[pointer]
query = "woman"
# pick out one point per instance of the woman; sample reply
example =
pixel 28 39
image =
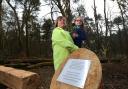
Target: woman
pixel 78 33
pixel 62 42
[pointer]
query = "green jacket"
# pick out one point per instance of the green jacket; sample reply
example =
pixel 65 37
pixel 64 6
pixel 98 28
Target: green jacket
pixel 62 45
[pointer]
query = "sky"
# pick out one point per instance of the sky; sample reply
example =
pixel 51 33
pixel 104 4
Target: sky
pixel 112 8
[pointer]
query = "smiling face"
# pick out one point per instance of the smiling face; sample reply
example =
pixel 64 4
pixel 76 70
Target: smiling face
pixel 61 22
pixel 78 21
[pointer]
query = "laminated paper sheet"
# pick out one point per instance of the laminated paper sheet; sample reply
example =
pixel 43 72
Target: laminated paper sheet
pixel 75 72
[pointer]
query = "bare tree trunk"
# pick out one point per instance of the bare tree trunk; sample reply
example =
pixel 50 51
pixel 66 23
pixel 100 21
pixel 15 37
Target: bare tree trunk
pixel 97 29
pixel 1 29
pixel 27 16
pixel 107 41
pixel 125 48
pixel 120 41
pixel 65 10
pixel 106 21
pixel 27 39
pixel 52 12
pixel 18 25
pixel 58 4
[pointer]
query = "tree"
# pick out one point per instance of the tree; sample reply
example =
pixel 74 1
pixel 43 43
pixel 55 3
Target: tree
pixel 118 21
pixel 81 11
pixel 63 6
pixel 30 7
pixel 106 20
pixel 1 30
pixel 47 30
pixel 122 4
pixel 97 28
pixel 17 23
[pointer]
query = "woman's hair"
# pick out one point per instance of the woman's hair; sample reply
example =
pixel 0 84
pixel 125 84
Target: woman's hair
pixel 82 25
pixel 58 18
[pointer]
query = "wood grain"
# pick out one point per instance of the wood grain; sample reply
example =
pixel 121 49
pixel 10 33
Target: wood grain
pixel 19 79
pixel 94 76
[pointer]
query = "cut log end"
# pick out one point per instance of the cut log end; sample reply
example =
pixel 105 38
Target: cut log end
pixel 94 76
pixel 19 79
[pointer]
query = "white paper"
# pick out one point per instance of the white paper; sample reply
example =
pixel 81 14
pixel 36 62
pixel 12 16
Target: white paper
pixel 75 72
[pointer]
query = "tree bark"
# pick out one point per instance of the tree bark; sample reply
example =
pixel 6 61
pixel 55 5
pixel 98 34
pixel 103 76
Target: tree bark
pixel 1 28
pixel 18 25
pixel 125 48
pixel 97 29
pixel 106 21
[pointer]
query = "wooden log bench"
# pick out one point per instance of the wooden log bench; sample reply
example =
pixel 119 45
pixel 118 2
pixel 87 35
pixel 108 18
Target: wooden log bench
pixel 94 77
pixel 18 79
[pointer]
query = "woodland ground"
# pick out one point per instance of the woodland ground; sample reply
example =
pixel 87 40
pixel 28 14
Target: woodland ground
pixel 115 75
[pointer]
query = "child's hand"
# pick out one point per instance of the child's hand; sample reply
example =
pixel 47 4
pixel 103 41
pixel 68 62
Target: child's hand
pixel 74 35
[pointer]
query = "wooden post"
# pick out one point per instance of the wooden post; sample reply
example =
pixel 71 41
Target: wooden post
pixel 19 79
pixel 94 76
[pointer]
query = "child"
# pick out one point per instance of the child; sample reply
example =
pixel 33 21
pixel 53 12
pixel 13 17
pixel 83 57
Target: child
pixel 78 33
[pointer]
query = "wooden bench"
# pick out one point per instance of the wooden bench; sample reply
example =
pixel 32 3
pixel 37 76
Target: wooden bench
pixel 18 79
pixel 94 76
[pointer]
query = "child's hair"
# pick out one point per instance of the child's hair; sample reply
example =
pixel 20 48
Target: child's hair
pixel 82 25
